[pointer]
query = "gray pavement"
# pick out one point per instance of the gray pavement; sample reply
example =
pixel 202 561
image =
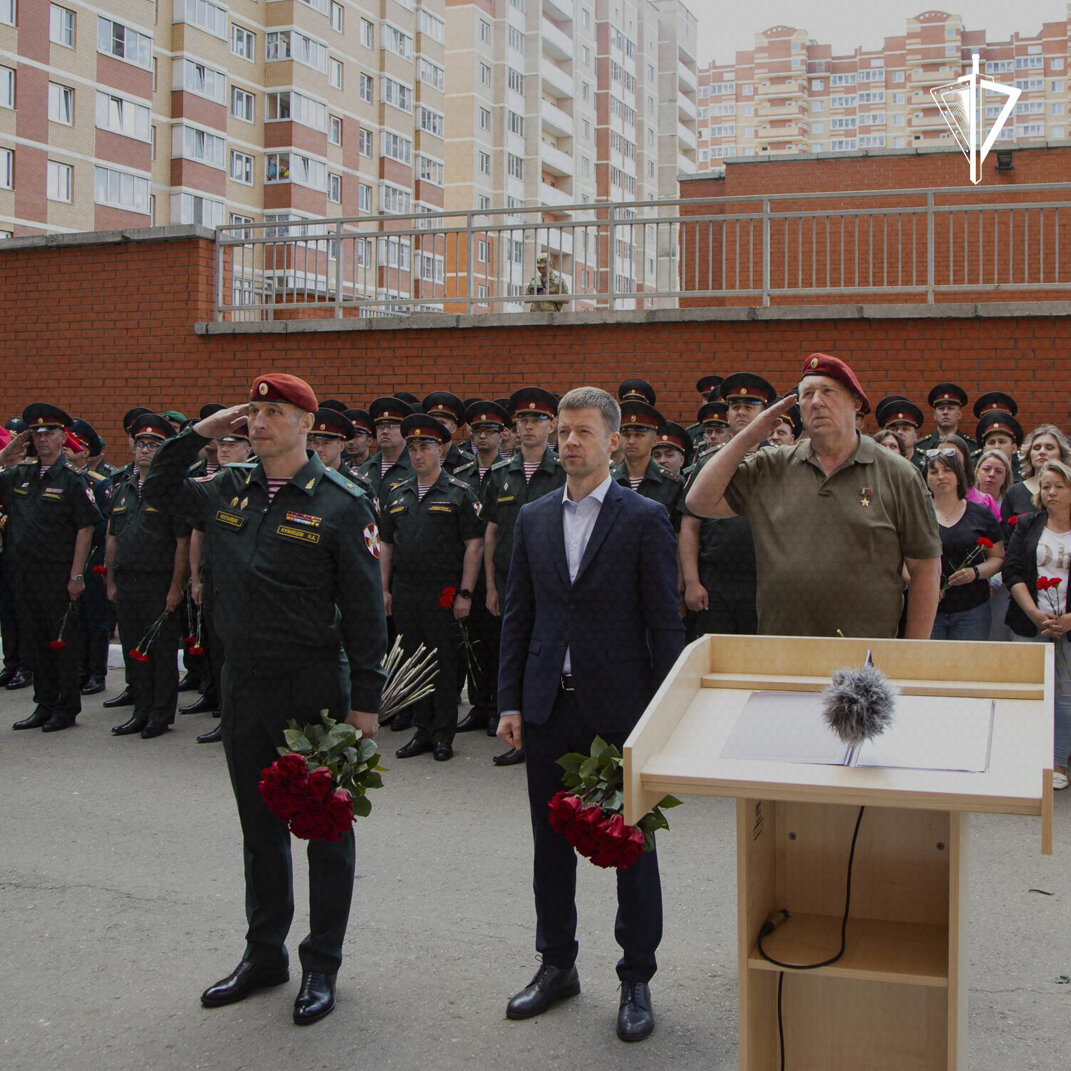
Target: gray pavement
pixel 121 898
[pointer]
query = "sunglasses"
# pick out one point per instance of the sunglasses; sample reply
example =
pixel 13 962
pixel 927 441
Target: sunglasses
pixel 948 451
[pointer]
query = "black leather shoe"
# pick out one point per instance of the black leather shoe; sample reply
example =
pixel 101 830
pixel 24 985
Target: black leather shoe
pixel 549 985
pixel 213 736
pixel 23 679
pixel 416 746
pixel 200 706
pixel 246 978
pixel 93 686
pixel 134 725
pixel 635 1020
pixel 315 999
pixel 6 674
pixel 443 753
pixel 512 757
pixel 185 684
pixel 154 730
pixel 35 721
pixel 123 699
pixel 473 720
pixel 57 722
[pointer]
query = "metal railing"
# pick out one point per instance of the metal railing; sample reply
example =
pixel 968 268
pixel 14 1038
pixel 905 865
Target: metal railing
pixel 922 245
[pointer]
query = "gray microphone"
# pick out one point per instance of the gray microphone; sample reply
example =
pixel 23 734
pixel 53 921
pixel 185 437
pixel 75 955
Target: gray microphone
pixel 858 705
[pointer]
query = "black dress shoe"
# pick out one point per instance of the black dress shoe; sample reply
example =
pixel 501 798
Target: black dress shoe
pixel 315 999
pixel 6 674
pixel 57 722
pixel 35 721
pixel 154 730
pixel 549 985
pixel 512 757
pixel 201 705
pixel 213 736
pixel 443 753
pixel 246 978
pixel 23 678
pixel 185 684
pixel 635 1020
pixel 123 699
pixel 474 720
pixel 133 725
pixel 416 746
pixel 93 686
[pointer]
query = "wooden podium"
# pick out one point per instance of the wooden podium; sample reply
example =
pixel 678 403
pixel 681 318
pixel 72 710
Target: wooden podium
pixel 897 999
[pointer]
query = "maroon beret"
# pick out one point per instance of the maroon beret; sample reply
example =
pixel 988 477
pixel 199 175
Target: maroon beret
pixel 282 387
pixel 822 364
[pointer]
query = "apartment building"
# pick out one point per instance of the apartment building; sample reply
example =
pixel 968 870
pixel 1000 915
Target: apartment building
pixel 791 94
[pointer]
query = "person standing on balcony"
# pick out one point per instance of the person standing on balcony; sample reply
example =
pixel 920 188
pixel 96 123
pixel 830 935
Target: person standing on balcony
pixel 549 286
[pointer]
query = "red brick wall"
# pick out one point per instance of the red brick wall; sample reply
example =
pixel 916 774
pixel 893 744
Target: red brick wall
pixel 100 328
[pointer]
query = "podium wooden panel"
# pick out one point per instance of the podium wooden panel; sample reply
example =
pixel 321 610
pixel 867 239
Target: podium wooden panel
pixel 897 999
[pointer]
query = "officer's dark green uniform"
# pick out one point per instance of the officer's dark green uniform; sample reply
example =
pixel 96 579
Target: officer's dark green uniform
pixel 46 513
pixel 428 538
pixel 146 537
pixel 945 392
pixel 658 484
pixel 294 579
pixel 93 647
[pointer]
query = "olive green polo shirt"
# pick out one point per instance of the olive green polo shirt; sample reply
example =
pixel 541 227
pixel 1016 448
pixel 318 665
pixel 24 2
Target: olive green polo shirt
pixel 829 549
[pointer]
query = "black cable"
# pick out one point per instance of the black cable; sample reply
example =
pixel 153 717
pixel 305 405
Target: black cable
pixel 780 1020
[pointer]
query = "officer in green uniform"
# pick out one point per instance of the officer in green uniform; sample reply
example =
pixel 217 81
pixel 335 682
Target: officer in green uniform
pixel 897 414
pixel 432 541
pixel 713 421
pixel 364 431
pixel 52 517
pixel 390 467
pixel 639 425
pixel 294 550
pixel 529 474
pixel 947 401
pixel 148 562
pixel 707 386
pixel 449 410
pixel 673 447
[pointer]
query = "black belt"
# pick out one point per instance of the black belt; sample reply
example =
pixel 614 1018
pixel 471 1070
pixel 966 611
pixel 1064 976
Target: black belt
pixel 565 682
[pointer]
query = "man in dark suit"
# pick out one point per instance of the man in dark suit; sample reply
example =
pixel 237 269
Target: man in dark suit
pixel 590 630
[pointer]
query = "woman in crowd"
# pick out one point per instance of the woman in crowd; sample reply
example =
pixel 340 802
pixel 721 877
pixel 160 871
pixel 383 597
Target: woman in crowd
pixel 891 441
pixel 993 475
pixel 973 494
pixel 1040 546
pixel 963 609
pixel 1044 443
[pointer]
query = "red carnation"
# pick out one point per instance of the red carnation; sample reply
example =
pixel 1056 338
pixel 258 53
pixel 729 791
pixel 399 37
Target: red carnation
pixel 987 543
pixel 100 570
pixel 189 640
pixel 57 645
pixel 1013 520
pixel 446 599
pixel 195 649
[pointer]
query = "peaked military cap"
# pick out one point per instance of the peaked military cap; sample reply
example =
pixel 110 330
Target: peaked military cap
pixel 331 424
pixel 443 403
pixel 533 400
pixel 636 389
pixel 997 421
pixel 422 427
pixel 713 414
pixel 748 387
pixel 947 392
pixel 152 425
pixel 361 420
pixel 45 415
pixel 995 399
pixel 484 413
pixel 637 414
pixel 389 408
pixel 896 409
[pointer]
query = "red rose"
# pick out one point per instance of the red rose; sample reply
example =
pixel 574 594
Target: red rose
pixel 446 599
pixel 282 787
pixel 587 830
pixel 986 543
pixel 100 570
pixel 57 645
pixel 292 766
pixel 1013 520
pixel 321 784
pixel 195 649
pixel 564 807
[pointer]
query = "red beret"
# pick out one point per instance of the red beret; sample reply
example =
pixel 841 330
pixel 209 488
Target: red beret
pixel 282 387
pixel 822 364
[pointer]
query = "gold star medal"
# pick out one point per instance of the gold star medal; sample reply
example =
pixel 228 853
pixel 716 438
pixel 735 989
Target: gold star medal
pixel 864 496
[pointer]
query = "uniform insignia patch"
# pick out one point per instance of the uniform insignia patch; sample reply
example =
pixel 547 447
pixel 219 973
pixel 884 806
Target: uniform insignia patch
pixel 52 491
pixel 305 518
pixel 230 520
pixel 297 533
pixel 477 508
pixel 243 503
pixel 89 495
pixel 506 498
pixel 311 484
pixel 371 539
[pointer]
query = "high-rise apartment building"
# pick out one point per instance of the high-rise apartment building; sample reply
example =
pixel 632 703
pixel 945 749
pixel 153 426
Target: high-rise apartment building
pixel 792 95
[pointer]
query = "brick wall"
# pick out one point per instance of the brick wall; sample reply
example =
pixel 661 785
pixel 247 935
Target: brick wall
pixel 98 324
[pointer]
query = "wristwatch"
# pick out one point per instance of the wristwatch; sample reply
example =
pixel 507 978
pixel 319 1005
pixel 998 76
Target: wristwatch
pixel 81 579
pixel 464 593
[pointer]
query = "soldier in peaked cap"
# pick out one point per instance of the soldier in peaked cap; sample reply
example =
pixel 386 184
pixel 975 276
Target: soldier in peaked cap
pixel 712 419
pixel 391 466
pixel 788 428
pixel 999 430
pixel 639 426
pixel 334 403
pixel 432 550
pixel 673 447
pixel 636 390
pixel 295 559
pixel 947 401
pixel 449 410
pixel 364 431
pixel 52 517
pixel 995 399
pixel 746 395
pixel 330 432
pixel 707 386
pixel 895 413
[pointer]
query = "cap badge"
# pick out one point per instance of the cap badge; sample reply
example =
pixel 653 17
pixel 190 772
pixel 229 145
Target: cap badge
pixel 263 388
pixel 531 405
pixel 814 362
pixel 743 390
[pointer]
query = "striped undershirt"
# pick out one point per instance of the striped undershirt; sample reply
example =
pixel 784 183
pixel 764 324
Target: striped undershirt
pixel 274 484
pixel 42 471
pixel 482 473
pixel 421 491
pixel 384 464
pixel 210 469
pixel 529 469
pixel 635 482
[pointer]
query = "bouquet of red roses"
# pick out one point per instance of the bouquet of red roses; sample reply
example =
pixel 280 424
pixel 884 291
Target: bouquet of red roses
pixel 589 815
pixel 318 784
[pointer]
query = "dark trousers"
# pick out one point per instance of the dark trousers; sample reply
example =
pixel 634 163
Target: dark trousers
pixel 93 631
pixel 42 603
pixel 213 645
pixel 419 619
pixel 638 927
pixel 15 654
pixel 484 632
pixel 256 710
pixel 154 684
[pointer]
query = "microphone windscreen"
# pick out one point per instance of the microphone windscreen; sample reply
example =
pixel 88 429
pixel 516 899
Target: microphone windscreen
pixel 859 704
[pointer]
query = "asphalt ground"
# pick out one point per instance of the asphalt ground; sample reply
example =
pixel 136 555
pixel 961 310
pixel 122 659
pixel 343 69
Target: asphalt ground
pixel 121 898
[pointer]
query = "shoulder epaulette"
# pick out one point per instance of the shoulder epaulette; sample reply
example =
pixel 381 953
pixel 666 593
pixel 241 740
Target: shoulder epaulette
pixel 96 477
pixel 501 464
pixel 665 473
pixel 455 481
pixel 345 483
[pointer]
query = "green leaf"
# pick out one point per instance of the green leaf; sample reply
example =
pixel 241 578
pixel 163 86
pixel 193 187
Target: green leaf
pixel 652 821
pixel 588 770
pixel 373 780
pixel 362 807
pixel 615 801
pixel 350 755
pixel 668 802
pixel 571 762
pixel 297 741
pixel 366 749
pixel 599 747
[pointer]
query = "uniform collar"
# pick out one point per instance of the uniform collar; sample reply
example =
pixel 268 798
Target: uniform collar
pixel 546 462
pixel 55 467
pixel 306 479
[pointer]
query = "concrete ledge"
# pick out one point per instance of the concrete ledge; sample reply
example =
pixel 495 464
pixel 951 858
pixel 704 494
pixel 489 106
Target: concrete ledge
pixel 779 313
pixel 135 234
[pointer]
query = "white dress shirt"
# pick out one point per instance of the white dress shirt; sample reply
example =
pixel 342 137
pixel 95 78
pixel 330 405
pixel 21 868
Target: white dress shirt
pixel 578 521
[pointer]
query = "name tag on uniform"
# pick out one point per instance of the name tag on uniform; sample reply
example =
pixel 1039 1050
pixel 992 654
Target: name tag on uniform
pixel 398 509
pixel 151 509
pixel 230 520
pixel 24 490
pixel 118 509
pixel 298 533
pixel 506 498
pixel 441 507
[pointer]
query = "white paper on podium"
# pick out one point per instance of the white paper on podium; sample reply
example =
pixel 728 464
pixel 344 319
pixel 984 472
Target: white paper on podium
pixel 926 733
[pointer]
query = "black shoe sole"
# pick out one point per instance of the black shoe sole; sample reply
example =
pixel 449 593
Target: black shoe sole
pixel 308 1020
pixel 267 983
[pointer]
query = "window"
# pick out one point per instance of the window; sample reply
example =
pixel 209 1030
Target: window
pixel 364 197
pixel 338 17
pixel 289 44
pixel 394 93
pixel 241 168
pixel 242 104
pixel 334 130
pixel 431 25
pixel 334 73
pixel 846 122
pixel 515 80
pixel 293 167
pixel 431 170
pixel 297 108
pixel 483 203
pixel 61 26
pixel 7 169
pixel 1056 87
pixel 485 32
pixel 124 117
pixel 193 208
pixel 481 250
pixel 515 38
pixel 897 76
pixel 485 75
pixel 842 145
pixel 60 104
pixel 60 182
pixel 334 188
pixel 368 34
pixel 431 74
pixel 394 199
pixel 1056 63
pixel 431 122
pixel 115 39
pixel 120 189
pixel 1057 109
pixel 484 163
pixel 7 87
pixel 585 166
pixel 1028 62
pixel 204 15
pixel 818 128
pixel 192 143
pixel 243 43
pixel 395 146
pixel 394 40
pixel 199 79
pixel 7 13
pixel 847 101
pixel 585 91
pixel 842 79
pixel 514 166
pixel 515 123
pixel 364 88
pixel 484 117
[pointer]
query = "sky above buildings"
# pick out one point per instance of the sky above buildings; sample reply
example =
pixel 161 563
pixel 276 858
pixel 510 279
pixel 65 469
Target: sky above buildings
pixel 726 26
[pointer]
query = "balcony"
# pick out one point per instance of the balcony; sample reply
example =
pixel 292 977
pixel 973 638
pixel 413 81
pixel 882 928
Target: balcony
pixel 687 77
pixel 557 44
pixel 556 82
pixel 686 106
pixel 560 10
pixel 685 136
pixel 550 195
pixel 790 132
pixel 555 120
pixel 788 109
pixel 685 165
pixel 781 88
pixel 557 162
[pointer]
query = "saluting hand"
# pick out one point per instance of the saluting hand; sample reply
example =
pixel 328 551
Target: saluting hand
pixel 223 422
pixel 763 425
pixel 15 450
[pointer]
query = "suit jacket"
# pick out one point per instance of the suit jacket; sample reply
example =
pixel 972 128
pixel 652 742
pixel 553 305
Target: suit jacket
pixel 619 618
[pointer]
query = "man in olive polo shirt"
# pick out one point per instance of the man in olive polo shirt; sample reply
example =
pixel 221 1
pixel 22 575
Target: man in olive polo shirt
pixel 834 518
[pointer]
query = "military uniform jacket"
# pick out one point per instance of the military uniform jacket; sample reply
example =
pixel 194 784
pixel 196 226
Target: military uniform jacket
pixel 428 535
pixel 658 484
pixel 383 483
pixel 504 492
pixel 293 578
pixel 101 486
pixel 932 441
pixel 455 459
pixel 45 513
pixel 145 536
